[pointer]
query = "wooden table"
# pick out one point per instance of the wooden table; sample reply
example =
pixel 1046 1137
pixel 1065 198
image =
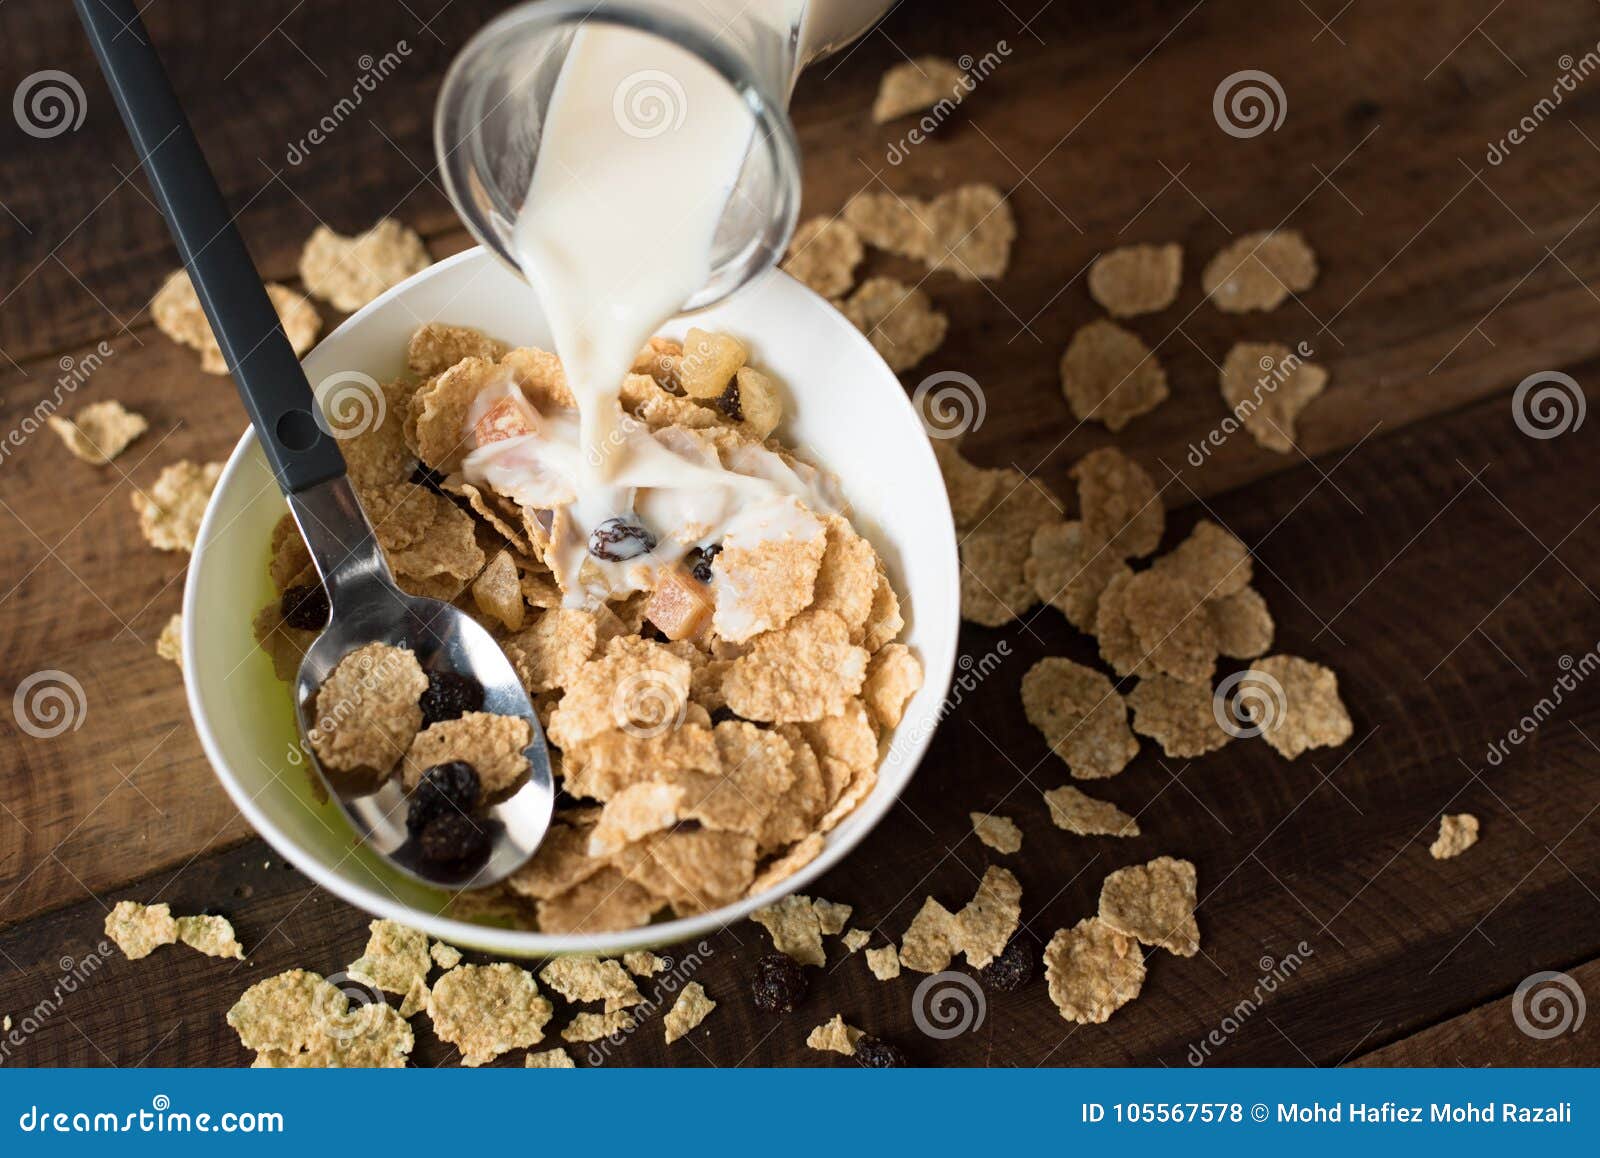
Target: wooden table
pixel 1441 560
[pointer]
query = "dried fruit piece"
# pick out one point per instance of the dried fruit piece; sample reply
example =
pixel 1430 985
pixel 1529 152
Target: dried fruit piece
pixel 1109 375
pixel 691 1008
pixel 709 362
pixel 914 85
pixel 138 930
pixel 824 253
pixel 486 1010
pixel 1267 385
pixel 1093 971
pixel 1120 504
pixel 1296 704
pixel 1081 715
pixel 497 592
pixel 171 509
pixel 780 983
pixel 998 832
pixel 1013 968
pixel 100 431
pixel 450 695
pixel 1085 815
pixel 348 272
pixel 1457 833
pixel 1179 716
pixel 899 320
pixel 1136 279
pixel 1154 903
pixel 1259 270
pixel 491 743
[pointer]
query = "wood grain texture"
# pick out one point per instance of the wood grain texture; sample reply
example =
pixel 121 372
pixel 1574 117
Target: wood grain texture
pixel 1443 568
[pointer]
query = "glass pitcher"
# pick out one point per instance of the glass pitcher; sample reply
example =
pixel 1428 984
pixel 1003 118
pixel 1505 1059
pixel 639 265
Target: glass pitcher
pixel 492 107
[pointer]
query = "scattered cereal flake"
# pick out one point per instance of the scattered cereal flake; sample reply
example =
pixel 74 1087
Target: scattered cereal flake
pixel 367 712
pixel 1303 710
pixel 998 832
pixel 1259 270
pixel 1242 624
pixel 795 928
pixel 395 958
pixel 1119 502
pixel 834 1035
pixel 1067 577
pixel 597 1026
pixel 884 963
pixel 891 222
pixel 1136 279
pixel 972 228
pixel 169 645
pixel 100 431
pixel 348 272
pixel 1119 646
pixel 1457 833
pixel 824 253
pixel 1267 386
pixel 139 930
pixel 802 853
pixel 583 977
pixel 601 903
pixel 760 585
pixel 635 812
pixel 177 313
pixel 1082 716
pixel 491 743
pixel 856 939
pixel 914 85
pixel 1180 716
pixel 899 320
pixel 691 1008
pixel 893 676
pixel 1109 375
pixel 643 963
pixel 1154 903
pixel 415 1000
pixel 1169 619
pixel 285 1012
pixel 549 1059
pixel 485 1010
pixel 971 488
pixel 985 923
pixel 497 591
pixel 831 916
pixel 1083 814
pixel 1093 971
pixel 369 1036
pixel 436 346
pixel 806 670
pixel 212 936
pixel 995 587
pixel 930 940
pixel 1211 559
pixel 444 956
pixel 171 509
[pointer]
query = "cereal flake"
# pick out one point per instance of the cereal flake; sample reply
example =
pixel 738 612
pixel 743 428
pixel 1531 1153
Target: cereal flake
pixel 1457 833
pixel 1302 711
pixel 211 935
pixel 691 1008
pixel 1109 375
pixel 486 1010
pixel 582 977
pixel 914 85
pixel 138 930
pixel 1179 716
pixel 1120 504
pixel 1082 716
pixel 998 832
pixel 349 272
pixel 1259 270
pixel 1154 903
pixel 171 509
pixel 1268 385
pixel 1093 971
pixel 1136 279
pixel 899 320
pixel 884 963
pixel 367 711
pixel 1080 813
pixel 824 253
pixel 834 1035
pixel 492 744
pixel 100 431
pixel 395 959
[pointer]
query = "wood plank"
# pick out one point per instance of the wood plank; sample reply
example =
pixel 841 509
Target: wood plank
pixel 1324 859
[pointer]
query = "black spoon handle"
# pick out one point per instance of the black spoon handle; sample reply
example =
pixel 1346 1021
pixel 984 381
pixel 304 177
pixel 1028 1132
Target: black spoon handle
pixel 263 364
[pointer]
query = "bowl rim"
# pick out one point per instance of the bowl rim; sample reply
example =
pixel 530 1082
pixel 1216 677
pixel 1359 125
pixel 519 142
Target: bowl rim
pixel 938 672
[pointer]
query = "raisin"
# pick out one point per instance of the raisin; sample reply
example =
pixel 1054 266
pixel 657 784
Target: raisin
pixel 780 983
pixel 305 607
pixel 874 1053
pixel 699 561
pixel 449 787
pixel 452 840
pixel 1013 969
pixel 618 539
pixel 423 475
pixel 724 715
pixel 730 404
pixel 449 694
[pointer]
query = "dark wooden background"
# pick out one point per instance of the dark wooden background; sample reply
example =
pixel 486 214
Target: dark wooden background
pixel 1439 559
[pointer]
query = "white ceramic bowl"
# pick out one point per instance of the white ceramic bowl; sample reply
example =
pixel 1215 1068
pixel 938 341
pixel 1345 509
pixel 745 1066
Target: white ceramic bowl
pixel 846 411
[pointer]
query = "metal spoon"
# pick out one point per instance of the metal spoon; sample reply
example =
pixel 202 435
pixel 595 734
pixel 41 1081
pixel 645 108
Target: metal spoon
pixel 366 605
